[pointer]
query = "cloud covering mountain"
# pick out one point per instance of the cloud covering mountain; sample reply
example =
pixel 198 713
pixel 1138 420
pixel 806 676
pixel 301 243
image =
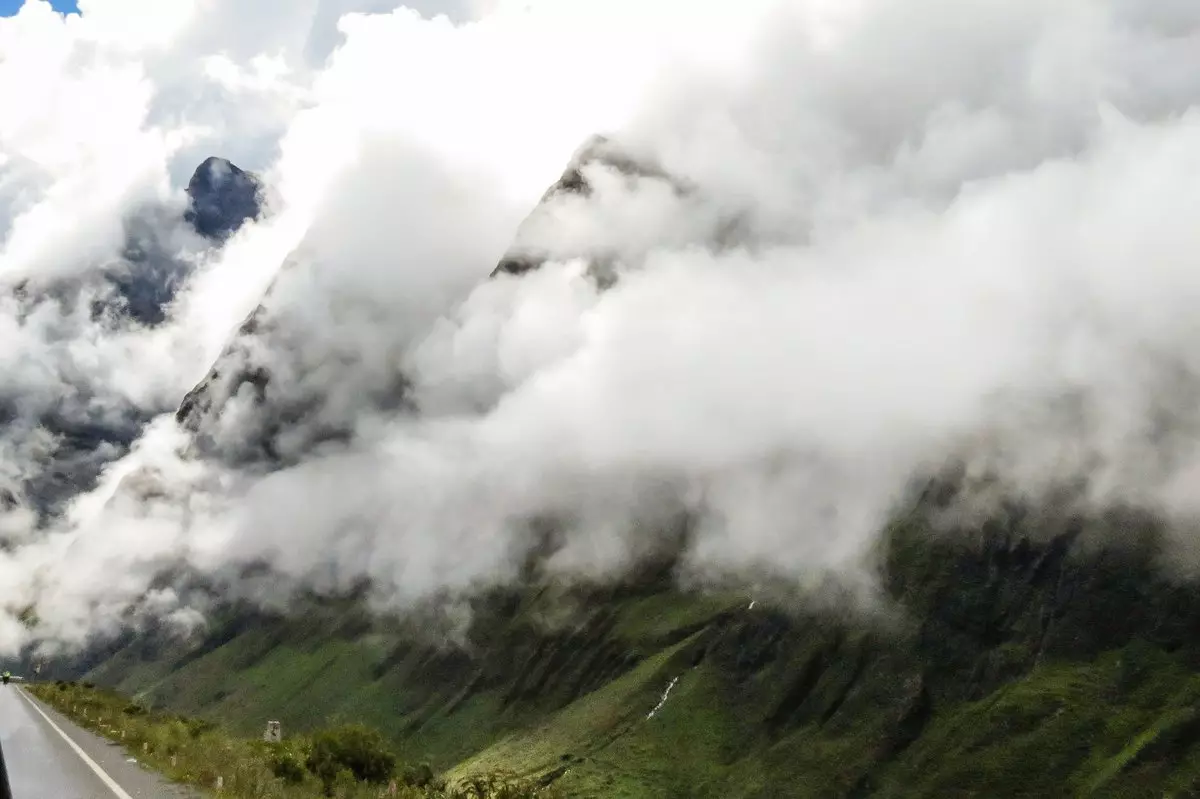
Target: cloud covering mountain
pixel 825 249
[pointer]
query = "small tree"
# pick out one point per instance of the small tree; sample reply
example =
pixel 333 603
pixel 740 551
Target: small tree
pixel 353 747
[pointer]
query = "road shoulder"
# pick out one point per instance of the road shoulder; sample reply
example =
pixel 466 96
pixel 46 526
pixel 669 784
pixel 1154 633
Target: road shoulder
pixel 123 767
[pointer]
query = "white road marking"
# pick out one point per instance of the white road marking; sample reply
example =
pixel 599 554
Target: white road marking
pixel 117 790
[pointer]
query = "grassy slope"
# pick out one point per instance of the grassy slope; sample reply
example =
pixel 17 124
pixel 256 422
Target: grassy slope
pixel 1017 671
pixel 200 754
pixel 262 674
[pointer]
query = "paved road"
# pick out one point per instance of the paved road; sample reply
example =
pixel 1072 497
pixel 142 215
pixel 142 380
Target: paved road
pixel 48 757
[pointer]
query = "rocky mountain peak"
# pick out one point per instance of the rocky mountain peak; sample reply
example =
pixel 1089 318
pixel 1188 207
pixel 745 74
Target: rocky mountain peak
pixel 528 250
pixel 222 197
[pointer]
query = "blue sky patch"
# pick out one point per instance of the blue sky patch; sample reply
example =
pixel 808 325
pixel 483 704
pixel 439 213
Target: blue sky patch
pixel 10 7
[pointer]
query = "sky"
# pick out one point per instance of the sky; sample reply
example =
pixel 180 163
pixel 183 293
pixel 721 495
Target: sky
pixel 10 7
pixel 894 237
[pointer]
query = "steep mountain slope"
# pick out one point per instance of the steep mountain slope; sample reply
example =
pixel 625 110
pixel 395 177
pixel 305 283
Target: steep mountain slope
pixel 263 378
pixel 1041 653
pixel 1025 663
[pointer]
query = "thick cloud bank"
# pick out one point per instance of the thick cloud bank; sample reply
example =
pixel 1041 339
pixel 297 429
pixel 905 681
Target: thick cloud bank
pixel 827 248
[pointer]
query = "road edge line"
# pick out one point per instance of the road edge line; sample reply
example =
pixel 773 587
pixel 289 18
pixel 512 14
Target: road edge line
pixel 92 764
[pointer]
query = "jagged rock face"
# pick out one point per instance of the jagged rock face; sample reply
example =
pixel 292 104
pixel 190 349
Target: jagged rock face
pixel 265 401
pixel 222 198
pixel 144 281
pixel 533 247
pixel 236 374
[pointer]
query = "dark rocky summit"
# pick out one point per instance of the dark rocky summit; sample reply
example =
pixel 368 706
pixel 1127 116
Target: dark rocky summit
pixel 222 198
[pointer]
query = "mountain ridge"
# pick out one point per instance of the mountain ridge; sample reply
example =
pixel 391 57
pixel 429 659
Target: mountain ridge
pixel 993 650
pixel 766 694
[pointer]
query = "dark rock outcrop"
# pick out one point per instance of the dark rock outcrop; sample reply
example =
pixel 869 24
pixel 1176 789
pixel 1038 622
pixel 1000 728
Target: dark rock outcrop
pixel 142 283
pixel 222 198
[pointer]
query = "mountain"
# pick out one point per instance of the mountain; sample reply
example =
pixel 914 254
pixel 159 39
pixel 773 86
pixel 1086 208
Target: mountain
pixel 222 198
pixel 140 283
pixel 279 420
pixel 86 426
pixel 1014 660
pixel 1038 653
pixel 535 243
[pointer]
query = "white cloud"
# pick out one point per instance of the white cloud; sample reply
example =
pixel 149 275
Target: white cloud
pixel 949 230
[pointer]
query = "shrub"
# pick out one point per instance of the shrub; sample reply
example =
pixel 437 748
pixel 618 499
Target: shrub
pixel 419 776
pixel 286 765
pixel 198 727
pixel 353 747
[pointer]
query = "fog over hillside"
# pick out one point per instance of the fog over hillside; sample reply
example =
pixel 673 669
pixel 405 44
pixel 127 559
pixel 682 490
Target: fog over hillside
pixel 826 249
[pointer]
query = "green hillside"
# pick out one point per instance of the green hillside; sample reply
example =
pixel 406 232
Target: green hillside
pixel 1020 659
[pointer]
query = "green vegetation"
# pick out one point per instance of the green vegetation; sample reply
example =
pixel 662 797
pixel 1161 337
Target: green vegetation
pixel 1011 660
pixel 353 749
pixel 1069 729
pixel 347 761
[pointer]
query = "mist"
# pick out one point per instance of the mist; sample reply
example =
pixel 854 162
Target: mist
pixel 859 243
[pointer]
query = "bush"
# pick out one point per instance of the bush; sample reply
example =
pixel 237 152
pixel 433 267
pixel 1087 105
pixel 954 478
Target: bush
pixel 342 758
pixel 198 727
pixel 286 765
pixel 419 776
pixel 353 747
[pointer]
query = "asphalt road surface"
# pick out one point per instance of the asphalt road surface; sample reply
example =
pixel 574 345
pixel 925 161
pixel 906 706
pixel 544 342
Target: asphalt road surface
pixel 48 757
